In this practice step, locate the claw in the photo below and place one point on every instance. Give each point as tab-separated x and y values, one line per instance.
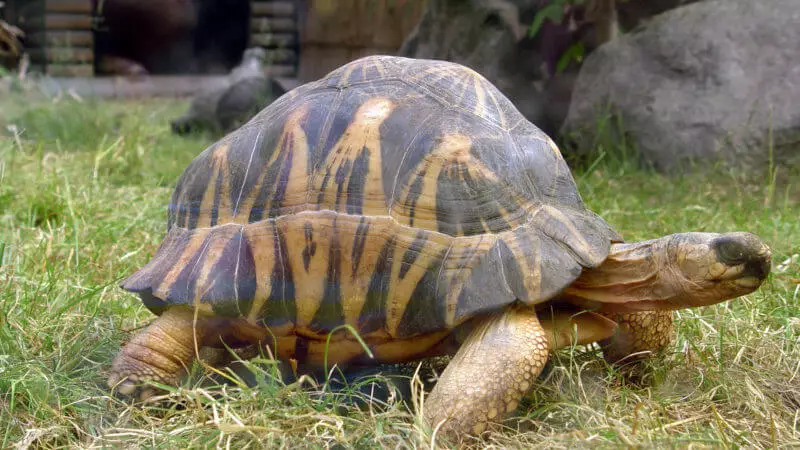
131	386
113	380
126	388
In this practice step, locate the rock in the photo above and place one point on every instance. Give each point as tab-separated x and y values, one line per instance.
225	108
633	13
490	36
711	80
482	35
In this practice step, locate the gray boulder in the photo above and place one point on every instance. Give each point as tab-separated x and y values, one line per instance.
632	13
483	35
491	37
227	107
711	80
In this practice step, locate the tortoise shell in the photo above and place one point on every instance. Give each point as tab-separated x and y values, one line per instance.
399	196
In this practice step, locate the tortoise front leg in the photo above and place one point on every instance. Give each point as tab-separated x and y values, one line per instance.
639	335
160	353
495	366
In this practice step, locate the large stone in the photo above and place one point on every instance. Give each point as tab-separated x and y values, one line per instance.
491	37
632	13
712	80
483	35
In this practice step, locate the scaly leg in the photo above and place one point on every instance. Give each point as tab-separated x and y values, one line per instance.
162	352
645	332
495	366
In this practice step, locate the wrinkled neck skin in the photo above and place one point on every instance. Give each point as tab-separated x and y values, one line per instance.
247	67
635	277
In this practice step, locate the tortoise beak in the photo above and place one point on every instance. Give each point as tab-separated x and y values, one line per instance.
745	249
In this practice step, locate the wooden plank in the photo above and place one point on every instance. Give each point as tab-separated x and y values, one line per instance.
280	70
29	7
411	16
328	25
65	70
316	61
39	7
68	22
61	38
281	56
273	9
273	25
69	6
70	70
29	13
169	86
65	55
58	22
379	26
273	40
9	13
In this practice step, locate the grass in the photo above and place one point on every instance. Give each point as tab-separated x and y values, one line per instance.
83	190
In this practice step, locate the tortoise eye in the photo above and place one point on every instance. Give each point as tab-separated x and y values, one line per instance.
730	251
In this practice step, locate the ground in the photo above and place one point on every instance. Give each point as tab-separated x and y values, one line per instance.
83	190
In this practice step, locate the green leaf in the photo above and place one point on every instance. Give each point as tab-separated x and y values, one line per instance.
553	11
574	53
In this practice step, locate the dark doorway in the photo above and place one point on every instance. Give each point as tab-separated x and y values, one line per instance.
221	36
170	36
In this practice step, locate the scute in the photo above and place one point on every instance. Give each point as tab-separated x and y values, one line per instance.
461	88
370	69
398	196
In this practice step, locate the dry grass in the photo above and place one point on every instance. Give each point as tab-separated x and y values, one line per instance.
83	189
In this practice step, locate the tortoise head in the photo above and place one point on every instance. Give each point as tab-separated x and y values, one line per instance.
707	268
677	271
254	54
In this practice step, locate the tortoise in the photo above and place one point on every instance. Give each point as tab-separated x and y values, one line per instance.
224	108
409	200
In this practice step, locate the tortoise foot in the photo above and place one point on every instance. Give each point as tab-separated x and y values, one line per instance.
161	354
136	369
640	336
484	382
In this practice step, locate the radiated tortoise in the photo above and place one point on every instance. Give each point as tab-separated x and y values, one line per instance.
410	200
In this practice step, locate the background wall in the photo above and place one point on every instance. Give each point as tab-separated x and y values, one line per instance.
334	32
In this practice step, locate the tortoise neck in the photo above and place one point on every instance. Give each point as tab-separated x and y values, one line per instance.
630	279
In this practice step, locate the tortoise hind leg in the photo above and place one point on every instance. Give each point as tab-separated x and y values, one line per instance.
640	335
160	353
493	369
